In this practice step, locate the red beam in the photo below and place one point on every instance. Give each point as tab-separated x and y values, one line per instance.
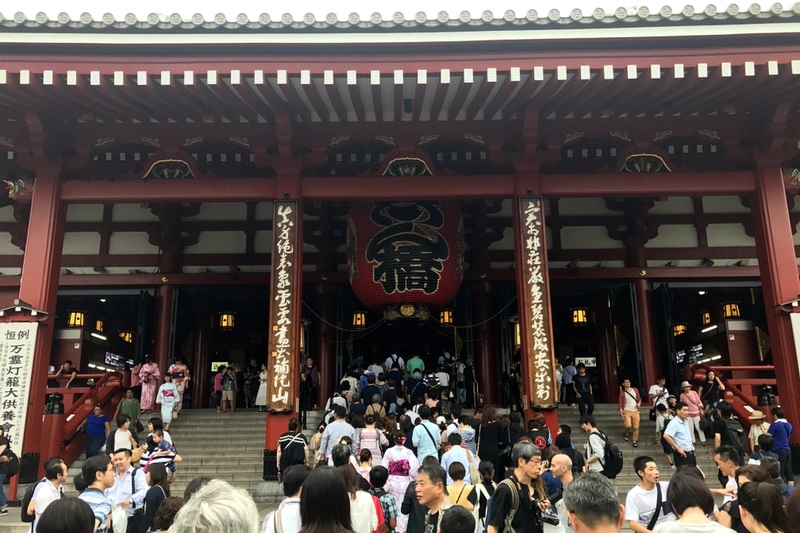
189	190
673	184
423	187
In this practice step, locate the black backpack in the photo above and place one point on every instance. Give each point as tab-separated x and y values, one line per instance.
736	437
612	460
26	500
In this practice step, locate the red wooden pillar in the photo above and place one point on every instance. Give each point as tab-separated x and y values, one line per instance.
778	267
484	334
643	291
164	298
324	336
39	288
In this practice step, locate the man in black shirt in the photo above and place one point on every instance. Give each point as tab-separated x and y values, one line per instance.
528	515
68	370
582	385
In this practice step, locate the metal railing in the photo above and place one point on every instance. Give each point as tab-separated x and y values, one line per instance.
741	385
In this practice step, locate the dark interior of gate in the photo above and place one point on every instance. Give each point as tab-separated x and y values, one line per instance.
416	277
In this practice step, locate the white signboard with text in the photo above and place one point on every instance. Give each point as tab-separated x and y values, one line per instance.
17	341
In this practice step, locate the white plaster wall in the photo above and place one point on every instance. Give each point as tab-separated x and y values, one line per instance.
80	243
221	211
588	237
673	205
674	236
218	242
728	235
85	213
723	204
132	213
131	243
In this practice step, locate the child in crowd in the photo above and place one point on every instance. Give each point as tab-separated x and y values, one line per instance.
378	477
663	416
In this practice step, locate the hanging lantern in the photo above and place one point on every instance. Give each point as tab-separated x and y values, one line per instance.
126	336
679	329
98	325
76	319
730	310
517	334
226	321
359	320
405	252
446	317
705	318
579	316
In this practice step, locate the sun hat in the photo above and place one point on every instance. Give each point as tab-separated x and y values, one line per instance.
685	384
757	415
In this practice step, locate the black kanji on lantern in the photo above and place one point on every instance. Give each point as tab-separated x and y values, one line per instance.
409	252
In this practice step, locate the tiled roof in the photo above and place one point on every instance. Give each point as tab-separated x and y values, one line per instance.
554	18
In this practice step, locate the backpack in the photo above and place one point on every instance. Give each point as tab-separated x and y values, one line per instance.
612	459
736	436
507	527
26	500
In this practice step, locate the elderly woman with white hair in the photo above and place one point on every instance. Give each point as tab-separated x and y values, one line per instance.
218	507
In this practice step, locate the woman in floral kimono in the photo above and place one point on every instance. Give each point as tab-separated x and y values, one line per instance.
167	396
402	465
150	375
180	377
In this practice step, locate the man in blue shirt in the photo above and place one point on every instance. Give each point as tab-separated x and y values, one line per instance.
334	432
679	435
426	435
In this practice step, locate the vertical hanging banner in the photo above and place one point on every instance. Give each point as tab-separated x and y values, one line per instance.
17	341
534	290
282	360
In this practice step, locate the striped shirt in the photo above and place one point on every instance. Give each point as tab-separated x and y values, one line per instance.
100	504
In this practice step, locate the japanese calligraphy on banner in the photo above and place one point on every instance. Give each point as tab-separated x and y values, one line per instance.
285	293
17	341
535	305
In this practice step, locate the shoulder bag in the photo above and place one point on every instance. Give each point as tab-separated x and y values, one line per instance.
439	450
657	512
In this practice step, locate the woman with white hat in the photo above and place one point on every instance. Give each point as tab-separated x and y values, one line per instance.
692	399
759	427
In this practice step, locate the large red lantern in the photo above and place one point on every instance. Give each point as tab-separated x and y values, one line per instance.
399	252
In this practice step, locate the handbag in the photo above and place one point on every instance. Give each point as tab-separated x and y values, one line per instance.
474	473
652	414
119	522
138	425
506	451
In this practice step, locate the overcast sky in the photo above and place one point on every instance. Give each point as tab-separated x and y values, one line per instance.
342	8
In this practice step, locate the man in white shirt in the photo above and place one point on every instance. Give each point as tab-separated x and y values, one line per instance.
130	484
658	395
55	475
287	516
646	504
727	459
391	360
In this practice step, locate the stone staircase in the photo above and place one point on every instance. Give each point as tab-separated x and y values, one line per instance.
230	447
609	421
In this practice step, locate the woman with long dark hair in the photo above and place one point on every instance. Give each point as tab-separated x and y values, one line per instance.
761	507
325	503
489	441
156	476
363	514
